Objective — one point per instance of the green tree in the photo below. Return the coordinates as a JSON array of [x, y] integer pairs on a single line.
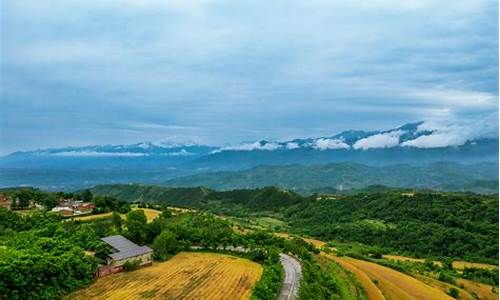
[[136, 226], [117, 221], [24, 196], [165, 245], [87, 195], [50, 201]]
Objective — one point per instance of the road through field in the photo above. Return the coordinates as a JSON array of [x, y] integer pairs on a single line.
[[291, 282]]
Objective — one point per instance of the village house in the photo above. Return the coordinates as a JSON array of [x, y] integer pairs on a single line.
[[67, 208], [125, 250], [5, 202]]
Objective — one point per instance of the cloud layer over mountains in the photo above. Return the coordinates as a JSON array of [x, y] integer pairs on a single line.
[[427, 134]]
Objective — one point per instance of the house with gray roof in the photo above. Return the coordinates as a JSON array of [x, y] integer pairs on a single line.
[[125, 250]]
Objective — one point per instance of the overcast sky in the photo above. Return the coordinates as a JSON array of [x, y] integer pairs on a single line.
[[223, 71]]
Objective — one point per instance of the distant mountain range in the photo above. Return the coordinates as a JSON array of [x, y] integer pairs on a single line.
[[345, 177], [414, 144]]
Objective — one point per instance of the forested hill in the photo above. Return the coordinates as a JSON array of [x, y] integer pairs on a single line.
[[421, 223], [446, 176], [268, 198]]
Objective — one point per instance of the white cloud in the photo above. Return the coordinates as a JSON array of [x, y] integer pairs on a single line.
[[252, 146], [183, 152], [292, 145], [96, 154], [381, 140], [329, 144], [454, 134]]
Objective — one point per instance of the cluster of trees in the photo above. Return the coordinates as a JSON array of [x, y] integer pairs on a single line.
[[42, 257], [425, 224]]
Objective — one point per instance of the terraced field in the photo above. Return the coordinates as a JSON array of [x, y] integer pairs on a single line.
[[185, 276], [371, 290], [391, 283]]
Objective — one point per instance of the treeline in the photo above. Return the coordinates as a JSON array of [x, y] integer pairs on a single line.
[[422, 223], [241, 201]]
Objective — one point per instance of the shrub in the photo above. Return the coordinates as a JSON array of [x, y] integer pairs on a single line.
[[131, 265], [453, 292]]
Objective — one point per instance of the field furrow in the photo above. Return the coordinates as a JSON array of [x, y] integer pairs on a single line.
[[185, 276]]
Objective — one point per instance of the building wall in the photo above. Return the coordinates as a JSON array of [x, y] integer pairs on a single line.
[[145, 259]]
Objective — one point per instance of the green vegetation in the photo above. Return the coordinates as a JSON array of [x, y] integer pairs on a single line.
[[48, 253], [42, 257], [350, 177], [421, 224], [269, 284], [131, 265]]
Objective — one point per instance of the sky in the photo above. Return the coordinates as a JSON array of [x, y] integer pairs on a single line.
[[220, 72]]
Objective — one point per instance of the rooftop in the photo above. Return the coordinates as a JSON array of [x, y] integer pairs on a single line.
[[124, 247]]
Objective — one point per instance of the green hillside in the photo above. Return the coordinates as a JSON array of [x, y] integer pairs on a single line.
[[479, 178], [422, 223]]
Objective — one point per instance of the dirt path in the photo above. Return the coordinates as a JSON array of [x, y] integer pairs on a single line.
[[291, 282]]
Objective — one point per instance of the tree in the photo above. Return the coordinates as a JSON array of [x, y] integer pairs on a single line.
[[87, 195], [24, 196], [50, 201], [117, 221], [165, 244], [136, 226]]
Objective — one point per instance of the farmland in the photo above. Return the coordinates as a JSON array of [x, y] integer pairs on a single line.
[[394, 284], [186, 276], [151, 214]]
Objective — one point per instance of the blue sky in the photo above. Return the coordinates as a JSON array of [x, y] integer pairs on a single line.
[[122, 71]]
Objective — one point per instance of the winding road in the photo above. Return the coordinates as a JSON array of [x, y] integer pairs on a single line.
[[291, 281], [291, 266]]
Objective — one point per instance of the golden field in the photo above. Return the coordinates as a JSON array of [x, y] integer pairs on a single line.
[[186, 276], [394, 284], [483, 291], [371, 290], [460, 265], [151, 214]]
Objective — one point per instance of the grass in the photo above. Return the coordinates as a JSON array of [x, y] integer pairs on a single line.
[[185, 276]]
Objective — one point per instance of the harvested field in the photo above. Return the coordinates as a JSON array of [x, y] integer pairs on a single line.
[[185, 276], [445, 287], [315, 243], [394, 284], [93, 217], [409, 259], [402, 258], [483, 291], [460, 265], [151, 214], [371, 290]]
